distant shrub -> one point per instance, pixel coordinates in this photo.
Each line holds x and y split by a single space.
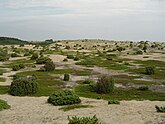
76 58
27 54
15 55
3 105
83 120
65 60
87 81
150 70
105 84
143 88
113 102
49 66
18 67
70 56
139 52
4 56
42 60
66 77
65 97
34 56
23 86
160 109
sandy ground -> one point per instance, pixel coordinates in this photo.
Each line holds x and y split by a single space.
36 110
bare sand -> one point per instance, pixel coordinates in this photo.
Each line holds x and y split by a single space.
36 110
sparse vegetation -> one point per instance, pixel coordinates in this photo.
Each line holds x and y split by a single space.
77 106
3 105
160 109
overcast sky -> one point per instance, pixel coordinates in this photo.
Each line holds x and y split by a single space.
78 19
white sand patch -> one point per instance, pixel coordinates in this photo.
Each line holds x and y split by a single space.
36 110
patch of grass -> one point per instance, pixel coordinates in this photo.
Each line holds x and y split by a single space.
4 89
71 107
2 71
3 105
155 63
120 94
2 79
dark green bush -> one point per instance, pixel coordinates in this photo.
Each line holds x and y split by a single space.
70 56
76 58
49 66
160 109
66 77
150 70
3 105
65 60
65 97
87 81
22 86
83 120
113 102
143 88
15 55
4 56
105 84
34 56
139 52
18 67
42 60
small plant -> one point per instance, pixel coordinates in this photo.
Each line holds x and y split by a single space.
49 66
150 70
83 120
18 67
3 105
76 58
105 84
65 97
71 107
34 56
15 55
160 109
65 60
87 81
143 88
70 56
22 86
42 60
113 102
66 77
139 52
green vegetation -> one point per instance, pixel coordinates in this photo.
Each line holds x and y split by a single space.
11 41
34 56
113 102
4 89
42 60
65 97
83 120
120 94
150 70
160 109
49 66
2 79
77 106
66 77
104 85
3 105
4 56
23 86
2 71
18 67
143 88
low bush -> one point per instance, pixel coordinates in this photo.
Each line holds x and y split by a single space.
113 102
150 70
139 52
160 109
22 86
70 56
66 77
65 97
83 120
3 105
65 60
49 66
42 60
76 58
105 84
15 55
34 56
87 81
18 67
143 88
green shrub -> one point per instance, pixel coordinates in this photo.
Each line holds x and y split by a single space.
22 86
65 60
34 56
70 56
87 81
18 67
76 58
66 77
143 88
83 120
150 70
160 109
105 84
15 55
139 52
113 102
4 56
49 66
27 54
3 105
42 60
65 97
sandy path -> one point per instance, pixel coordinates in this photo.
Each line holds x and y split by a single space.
35 110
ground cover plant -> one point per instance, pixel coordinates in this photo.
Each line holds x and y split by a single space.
84 120
3 105
77 106
113 102
160 109
65 97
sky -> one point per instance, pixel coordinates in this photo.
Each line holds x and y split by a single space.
83 19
